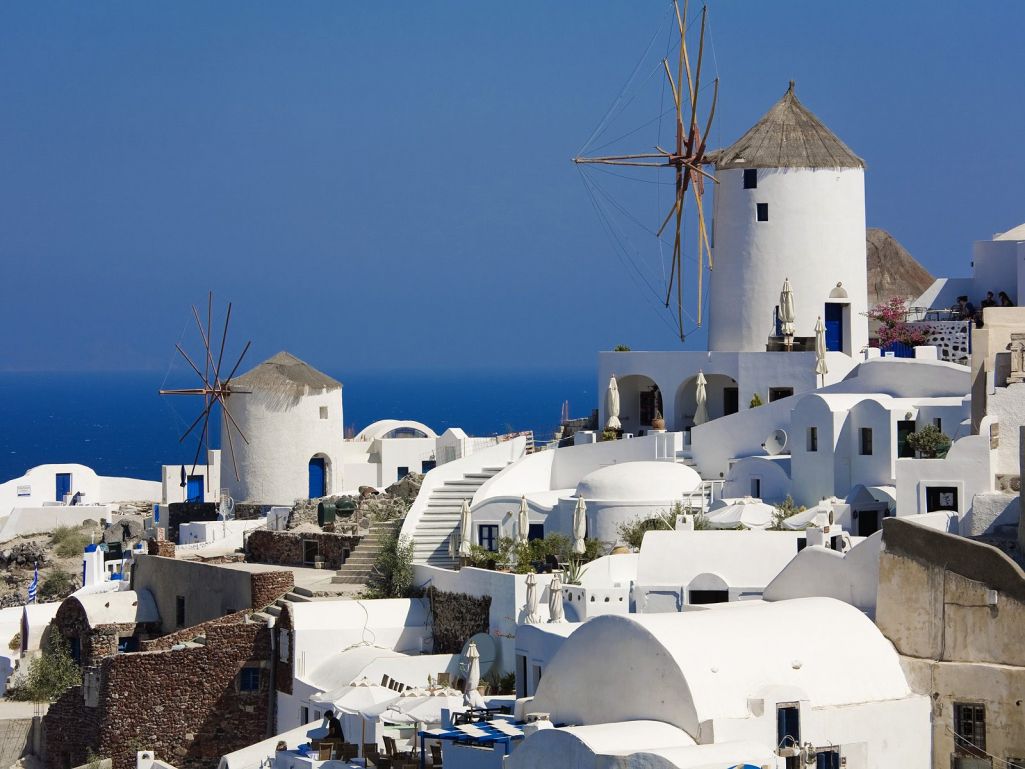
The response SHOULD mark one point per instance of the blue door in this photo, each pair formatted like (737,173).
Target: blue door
(63,485)
(834,327)
(318,487)
(194,491)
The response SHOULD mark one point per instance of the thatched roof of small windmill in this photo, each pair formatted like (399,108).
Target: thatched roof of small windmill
(892,271)
(285,375)
(787,136)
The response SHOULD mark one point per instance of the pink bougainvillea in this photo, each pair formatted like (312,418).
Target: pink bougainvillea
(893,326)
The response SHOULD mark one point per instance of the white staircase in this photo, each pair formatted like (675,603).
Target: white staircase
(440,519)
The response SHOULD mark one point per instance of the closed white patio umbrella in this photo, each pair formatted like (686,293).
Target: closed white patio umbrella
(555,600)
(532,618)
(523,521)
(817,515)
(472,697)
(612,405)
(579,526)
(465,530)
(747,511)
(820,351)
(787,313)
(701,400)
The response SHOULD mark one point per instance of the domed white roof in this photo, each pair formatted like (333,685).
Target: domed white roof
(640,481)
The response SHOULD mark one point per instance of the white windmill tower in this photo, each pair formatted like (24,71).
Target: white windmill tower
(790,203)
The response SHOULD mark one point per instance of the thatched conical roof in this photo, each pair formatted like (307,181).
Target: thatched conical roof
(787,136)
(285,375)
(892,271)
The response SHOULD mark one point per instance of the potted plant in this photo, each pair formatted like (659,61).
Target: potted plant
(929,442)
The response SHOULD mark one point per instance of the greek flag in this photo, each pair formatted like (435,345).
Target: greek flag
(34,587)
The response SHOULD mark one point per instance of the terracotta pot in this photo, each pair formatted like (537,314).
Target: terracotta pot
(658,424)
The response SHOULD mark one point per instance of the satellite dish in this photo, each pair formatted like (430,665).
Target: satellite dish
(486,649)
(776,442)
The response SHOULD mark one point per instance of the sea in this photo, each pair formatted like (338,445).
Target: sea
(117,424)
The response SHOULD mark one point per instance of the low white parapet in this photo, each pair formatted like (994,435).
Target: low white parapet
(582,603)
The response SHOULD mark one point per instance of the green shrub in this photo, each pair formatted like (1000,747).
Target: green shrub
(520,557)
(756,401)
(783,511)
(50,674)
(621,348)
(57,585)
(929,442)
(69,541)
(393,570)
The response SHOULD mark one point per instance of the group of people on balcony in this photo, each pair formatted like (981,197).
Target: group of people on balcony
(965,310)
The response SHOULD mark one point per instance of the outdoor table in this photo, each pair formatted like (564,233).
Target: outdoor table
(294,759)
(489,733)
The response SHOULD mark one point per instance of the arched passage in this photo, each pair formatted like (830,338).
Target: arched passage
(639,399)
(319,469)
(720,391)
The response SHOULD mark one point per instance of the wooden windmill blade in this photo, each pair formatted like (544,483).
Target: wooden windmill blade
(686,158)
(213,389)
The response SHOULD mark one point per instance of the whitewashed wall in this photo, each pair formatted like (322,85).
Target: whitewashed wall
(39,487)
(815,235)
(283,435)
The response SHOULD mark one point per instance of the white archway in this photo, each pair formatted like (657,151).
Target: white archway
(716,391)
(639,397)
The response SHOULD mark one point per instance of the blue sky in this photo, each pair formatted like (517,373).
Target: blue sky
(388,185)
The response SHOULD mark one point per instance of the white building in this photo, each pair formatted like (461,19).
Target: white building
(807,677)
(291,417)
(56,484)
(790,203)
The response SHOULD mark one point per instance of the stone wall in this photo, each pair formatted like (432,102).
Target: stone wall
(97,642)
(187,512)
(162,547)
(456,617)
(269,586)
(249,511)
(955,609)
(184,703)
(285,548)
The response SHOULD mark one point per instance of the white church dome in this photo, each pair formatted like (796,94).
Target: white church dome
(637,481)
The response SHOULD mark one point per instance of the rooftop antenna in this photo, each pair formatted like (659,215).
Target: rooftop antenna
(686,157)
(213,388)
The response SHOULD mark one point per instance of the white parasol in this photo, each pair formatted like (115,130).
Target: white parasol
(555,600)
(465,530)
(787,313)
(579,526)
(612,405)
(523,521)
(701,399)
(820,350)
(532,618)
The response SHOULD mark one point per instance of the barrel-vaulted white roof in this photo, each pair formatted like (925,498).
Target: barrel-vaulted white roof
(577,746)
(123,607)
(329,615)
(382,427)
(691,667)
(639,481)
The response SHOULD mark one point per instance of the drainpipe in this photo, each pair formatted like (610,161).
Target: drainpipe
(272,685)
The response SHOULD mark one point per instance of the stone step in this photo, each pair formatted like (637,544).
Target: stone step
(303,591)
(273,610)
(295,597)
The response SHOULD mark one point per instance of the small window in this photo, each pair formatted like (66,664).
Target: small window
(763,212)
(311,549)
(304,715)
(778,393)
(698,597)
(487,536)
(756,488)
(249,680)
(427,465)
(970,726)
(813,439)
(866,441)
(535,531)
(179,611)
(323,412)
(317,715)
(402,473)
(750,178)
(938,423)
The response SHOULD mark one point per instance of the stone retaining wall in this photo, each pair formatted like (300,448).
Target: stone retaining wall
(269,586)
(184,703)
(285,548)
